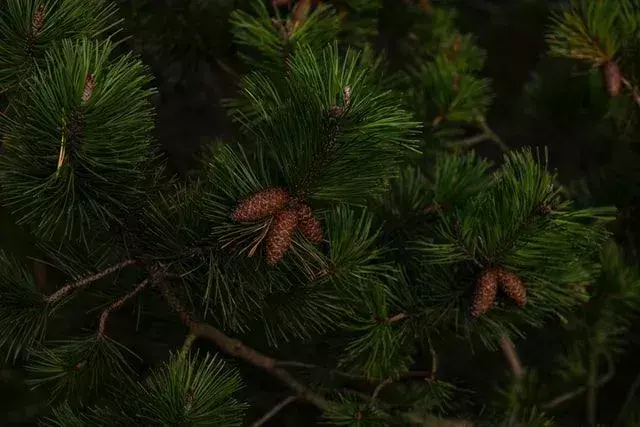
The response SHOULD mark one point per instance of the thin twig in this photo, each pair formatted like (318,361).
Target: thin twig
(509,350)
(55,297)
(237,348)
(580,390)
(397,317)
(273,412)
(380,386)
(118,304)
(470,141)
(186,346)
(491,134)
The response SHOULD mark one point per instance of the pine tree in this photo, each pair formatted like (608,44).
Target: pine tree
(333,254)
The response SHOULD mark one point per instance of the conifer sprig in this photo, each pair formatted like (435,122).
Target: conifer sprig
(29,28)
(72,167)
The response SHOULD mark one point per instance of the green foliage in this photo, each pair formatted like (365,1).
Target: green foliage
(548,245)
(65,416)
(440,91)
(77,369)
(189,391)
(186,390)
(351,411)
(588,31)
(70,166)
(382,346)
(63,20)
(329,157)
(23,313)
(614,300)
(269,42)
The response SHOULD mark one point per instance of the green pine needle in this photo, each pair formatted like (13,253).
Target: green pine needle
(100,174)
(190,391)
(78,369)
(587,31)
(63,19)
(23,314)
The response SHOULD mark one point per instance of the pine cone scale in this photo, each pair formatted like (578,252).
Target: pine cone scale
(309,225)
(261,205)
(281,235)
(485,294)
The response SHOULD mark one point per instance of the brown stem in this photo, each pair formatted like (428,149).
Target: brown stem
(510,353)
(116,305)
(186,346)
(397,318)
(236,348)
(273,412)
(490,134)
(379,388)
(55,297)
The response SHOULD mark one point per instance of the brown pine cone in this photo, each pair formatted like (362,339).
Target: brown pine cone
(309,225)
(612,78)
(511,285)
(88,88)
(280,235)
(485,295)
(37,22)
(261,204)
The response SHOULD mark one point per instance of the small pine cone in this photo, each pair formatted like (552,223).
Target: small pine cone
(261,204)
(612,78)
(347,95)
(88,88)
(38,20)
(485,295)
(511,285)
(309,225)
(280,235)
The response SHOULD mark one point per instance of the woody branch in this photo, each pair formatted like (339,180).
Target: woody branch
(238,349)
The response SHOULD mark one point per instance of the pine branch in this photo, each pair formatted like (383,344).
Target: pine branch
(273,412)
(116,305)
(236,348)
(55,297)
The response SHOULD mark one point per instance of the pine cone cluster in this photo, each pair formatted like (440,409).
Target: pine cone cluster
(288,215)
(487,290)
